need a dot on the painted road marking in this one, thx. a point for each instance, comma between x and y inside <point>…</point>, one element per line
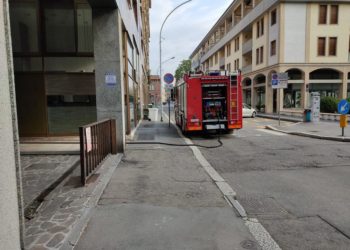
<point>255,227</point>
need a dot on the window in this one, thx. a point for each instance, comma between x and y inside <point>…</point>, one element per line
<point>322,18</point>
<point>228,67</point>
<point>273,17</point>
<point>24,27</point>
<point>259,55</point>
<point>236,64</point>
<point>273,48</point>
<point>334,14</point>
<point>237,44</point>
<point>134,6</point>
<point>260,28</point>
<point>211,62</point>
<point>332,50</point>
<point>216,58</point>
<point>59,26</point>
<point>228,49</point>
<point>321,46</point>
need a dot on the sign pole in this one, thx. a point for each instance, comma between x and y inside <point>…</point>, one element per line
<point>169,110</point>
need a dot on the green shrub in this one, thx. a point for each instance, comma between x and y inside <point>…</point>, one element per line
<point>329,104</point>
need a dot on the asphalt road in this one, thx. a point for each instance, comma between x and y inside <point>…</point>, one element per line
<point>297,187</point>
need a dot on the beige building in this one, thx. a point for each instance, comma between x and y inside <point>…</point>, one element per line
<point>308,39</point>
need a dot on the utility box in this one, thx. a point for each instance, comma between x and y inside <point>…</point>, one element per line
<point>153,114</point>
<point>315,106</point>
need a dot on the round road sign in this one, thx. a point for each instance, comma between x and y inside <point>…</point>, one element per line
<point>168,78</point>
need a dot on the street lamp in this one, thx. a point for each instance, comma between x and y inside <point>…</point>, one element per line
<point>160,53</point>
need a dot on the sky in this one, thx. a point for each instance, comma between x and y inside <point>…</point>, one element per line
<point>183,31</point>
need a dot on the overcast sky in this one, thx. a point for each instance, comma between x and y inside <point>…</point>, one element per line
<point>183,30</point>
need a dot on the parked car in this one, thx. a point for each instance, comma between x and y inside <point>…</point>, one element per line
<point>248,111</point>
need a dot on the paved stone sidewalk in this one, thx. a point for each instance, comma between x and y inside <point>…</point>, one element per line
<point>62,215</point>
<point>41,173</point>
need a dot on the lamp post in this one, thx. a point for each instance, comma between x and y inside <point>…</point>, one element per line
<point>160,54</point>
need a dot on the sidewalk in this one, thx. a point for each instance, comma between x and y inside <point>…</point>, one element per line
<point>159,198</point>
<point>320,130</point>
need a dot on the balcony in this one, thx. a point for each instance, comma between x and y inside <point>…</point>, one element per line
<point>247,69</point>
<point>222,62</point>
<point>247,46</point>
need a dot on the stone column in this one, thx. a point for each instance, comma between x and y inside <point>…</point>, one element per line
<point>305,91</point>
<point>280,97</point>
<point>252,97</point>
<point>268,95</point>
<point>108,51</point>
<point>11,211</point>
<point>344,89</point>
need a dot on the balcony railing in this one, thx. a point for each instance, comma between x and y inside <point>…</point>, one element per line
<point>247,69</point>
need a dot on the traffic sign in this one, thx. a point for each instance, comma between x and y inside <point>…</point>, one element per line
<point>279,80</point>
<point>168,78</point>
<point>343,107</point>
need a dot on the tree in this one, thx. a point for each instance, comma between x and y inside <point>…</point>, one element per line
<point>184,67</point>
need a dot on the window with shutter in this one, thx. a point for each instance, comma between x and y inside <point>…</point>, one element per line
<point>321,46</point>
<point>332,46</point>
<point>322,18</point>
<point>334,14</point>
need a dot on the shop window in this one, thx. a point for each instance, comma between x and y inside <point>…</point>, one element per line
<point>321,46</point>
<point>332,46</point>
<point>292,96</point>
<point>322,15</point>
<point>24,27</point>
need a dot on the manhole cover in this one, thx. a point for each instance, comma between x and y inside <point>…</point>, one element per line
<point>262,206</point>
<point>37,166</point>
<point>249,244</point>
<point>145,137</point>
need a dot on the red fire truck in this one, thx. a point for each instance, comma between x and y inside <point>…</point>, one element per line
<point>210,101</point>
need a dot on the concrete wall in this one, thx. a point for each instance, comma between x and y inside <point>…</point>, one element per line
<point>295,35</point>
<point>10,226</point>
<point>107,26</point>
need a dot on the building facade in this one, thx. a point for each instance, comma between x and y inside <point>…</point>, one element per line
<point>61,51</point>
<point>154,90</point>
<point>308,39</point>
<point>65,64</point>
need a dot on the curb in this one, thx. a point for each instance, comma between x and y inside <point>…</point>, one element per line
<point>314,136</point>
<point>287,119</point>
<point>72,152</point>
